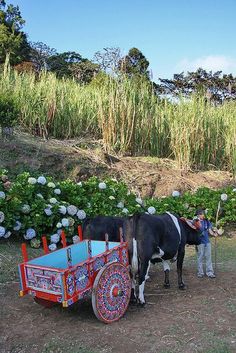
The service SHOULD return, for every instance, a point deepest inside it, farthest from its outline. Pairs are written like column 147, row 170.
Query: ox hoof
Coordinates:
column 133, row 301
column 182, row 286
column 166, row 285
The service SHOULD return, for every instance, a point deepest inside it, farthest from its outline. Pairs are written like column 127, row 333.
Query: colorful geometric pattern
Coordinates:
column 43, row 280
column 70, row 284
column 114, row 256
column 81, row 277
column 111, row 292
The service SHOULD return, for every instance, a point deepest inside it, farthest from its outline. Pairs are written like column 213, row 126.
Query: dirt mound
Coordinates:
column 80, row 159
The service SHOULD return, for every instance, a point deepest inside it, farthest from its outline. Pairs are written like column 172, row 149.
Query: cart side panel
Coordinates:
column 44, row 280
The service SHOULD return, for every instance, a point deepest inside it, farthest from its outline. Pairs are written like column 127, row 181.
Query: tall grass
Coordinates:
column 127, row 116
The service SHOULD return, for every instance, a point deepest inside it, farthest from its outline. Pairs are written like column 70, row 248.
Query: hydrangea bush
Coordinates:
column 33, row 206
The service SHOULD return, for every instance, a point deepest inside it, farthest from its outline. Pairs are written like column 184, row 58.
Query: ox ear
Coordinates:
column 188, row 222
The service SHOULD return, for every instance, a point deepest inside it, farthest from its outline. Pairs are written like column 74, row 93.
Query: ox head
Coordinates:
column 193, row 230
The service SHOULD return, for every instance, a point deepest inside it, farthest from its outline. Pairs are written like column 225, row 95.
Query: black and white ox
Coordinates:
column 96, row 228
column 151, row 239
column 158, row 238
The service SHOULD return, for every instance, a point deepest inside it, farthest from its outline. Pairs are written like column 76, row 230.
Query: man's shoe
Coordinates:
column 200, row 275
column 211, row 275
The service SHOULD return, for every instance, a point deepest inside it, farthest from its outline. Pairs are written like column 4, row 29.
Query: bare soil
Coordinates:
column 80, row 159
column 193, row 320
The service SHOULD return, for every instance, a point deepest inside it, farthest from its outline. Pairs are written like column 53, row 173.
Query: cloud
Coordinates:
column 209, row 63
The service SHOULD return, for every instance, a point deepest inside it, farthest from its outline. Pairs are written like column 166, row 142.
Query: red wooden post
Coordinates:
column 24, row 252
column 45, row 245
column 63, row 239
column 80, row 233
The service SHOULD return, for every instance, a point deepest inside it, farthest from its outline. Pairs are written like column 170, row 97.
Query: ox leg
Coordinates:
column 166, row 268
column 142, row 280
column 133, row 297
column 180, row 260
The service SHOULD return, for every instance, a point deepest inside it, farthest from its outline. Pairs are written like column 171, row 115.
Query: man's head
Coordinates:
column 200, row 213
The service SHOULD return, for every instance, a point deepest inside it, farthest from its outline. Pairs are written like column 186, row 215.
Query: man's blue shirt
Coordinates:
column 205, row 226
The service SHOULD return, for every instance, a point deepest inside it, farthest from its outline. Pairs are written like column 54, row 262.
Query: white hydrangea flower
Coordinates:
column 42, row 180
column 51, row 185
column 79, row 183
column 139, row 200
column 2, row 231
column 17, row 226
column 120, row 204
column 125, row 210
column 30, row 234
column 32, row 181
column 53, row 200
column 65, row 222
column 62, row 209
column 7, row 235
column 2, row 195
column 2, row 216
column 175, row 193
column 81, row 214
column 57, row 191
column 75, row 239
column 55, row 238
column 48, row 211
column 59, row 231
column 224, row 197
column 40, row 196
column 59, row 225
column 25, row 209
column 234, row 190
column 52, row 247
column 111, row 197
column 102, row 186
column 72, row 210
column 151, row 210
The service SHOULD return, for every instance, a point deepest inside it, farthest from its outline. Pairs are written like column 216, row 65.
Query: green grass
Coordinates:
column 10, row 257
column 225, row 253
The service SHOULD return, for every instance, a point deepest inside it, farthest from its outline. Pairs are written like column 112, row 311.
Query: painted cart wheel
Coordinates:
column 44, row 302
column 111, row 292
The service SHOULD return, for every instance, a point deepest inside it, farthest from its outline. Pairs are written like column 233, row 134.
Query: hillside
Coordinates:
column 79, row 159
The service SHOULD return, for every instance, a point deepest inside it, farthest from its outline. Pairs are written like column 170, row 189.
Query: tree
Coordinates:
column 60, row 63
column 13, row 41
column 84, row 71
column 215, row 86
column 135, row 64
column 108, row 59
column 40, row 54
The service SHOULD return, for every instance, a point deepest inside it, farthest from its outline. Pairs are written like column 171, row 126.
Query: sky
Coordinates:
column 174, row 35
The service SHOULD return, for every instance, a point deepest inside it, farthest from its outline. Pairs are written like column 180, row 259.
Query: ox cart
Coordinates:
column 98, row 269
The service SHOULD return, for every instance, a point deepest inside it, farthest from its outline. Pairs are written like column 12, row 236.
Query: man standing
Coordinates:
column 204, row 249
